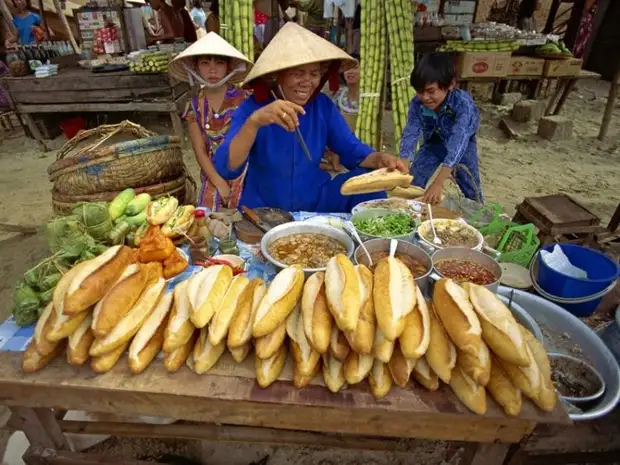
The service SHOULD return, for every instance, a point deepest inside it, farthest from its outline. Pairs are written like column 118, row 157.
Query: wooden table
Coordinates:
column 564, row 88
column 80, row 90
column 231, row 409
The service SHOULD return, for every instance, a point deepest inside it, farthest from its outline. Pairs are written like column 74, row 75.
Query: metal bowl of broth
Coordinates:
column 416, row 259
column 293, row 228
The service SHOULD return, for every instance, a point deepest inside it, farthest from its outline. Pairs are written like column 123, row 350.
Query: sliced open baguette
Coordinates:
column 343, row 291
column 375, row 181
column 317, row 320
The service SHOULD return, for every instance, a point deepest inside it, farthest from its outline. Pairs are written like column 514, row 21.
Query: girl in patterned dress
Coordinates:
column 216, row 66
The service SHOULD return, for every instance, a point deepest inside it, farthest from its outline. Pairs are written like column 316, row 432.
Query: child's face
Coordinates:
column 433, row 96
column 212, row 68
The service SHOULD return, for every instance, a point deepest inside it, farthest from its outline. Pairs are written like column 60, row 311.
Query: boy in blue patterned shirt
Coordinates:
column 447, row 119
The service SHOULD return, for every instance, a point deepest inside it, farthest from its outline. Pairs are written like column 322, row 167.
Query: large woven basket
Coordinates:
column 96, row 167
column 183, row 188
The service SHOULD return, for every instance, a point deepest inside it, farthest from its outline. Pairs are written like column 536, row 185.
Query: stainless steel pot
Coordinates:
column 459, row 253
column 405, row 248
column 589, row 372
column 300, row 227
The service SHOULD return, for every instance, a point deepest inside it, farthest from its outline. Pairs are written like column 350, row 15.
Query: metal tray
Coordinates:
column 594, row 350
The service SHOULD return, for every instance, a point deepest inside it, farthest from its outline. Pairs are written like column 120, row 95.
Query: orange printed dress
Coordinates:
column 214, row 126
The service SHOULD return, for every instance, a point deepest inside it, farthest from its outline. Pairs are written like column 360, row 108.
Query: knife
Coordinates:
column 253, row 218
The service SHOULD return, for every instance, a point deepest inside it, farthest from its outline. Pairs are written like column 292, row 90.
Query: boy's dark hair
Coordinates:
column 433, row 67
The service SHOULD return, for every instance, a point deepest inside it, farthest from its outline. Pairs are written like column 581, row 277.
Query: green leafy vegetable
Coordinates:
column 400, row 224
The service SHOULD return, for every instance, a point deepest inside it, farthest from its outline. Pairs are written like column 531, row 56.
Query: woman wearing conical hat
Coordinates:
column 262, row 139
column 216, row 66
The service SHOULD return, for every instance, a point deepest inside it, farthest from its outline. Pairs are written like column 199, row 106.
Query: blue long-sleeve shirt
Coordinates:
column 279, row 173
column 454, row 127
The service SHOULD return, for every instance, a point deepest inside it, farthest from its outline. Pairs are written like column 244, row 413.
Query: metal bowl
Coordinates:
column 426, row 233
column 591, row 377
column 593, row 349
column 379, row 213
column 299, row 227
column 460, row 253
column 405, row 248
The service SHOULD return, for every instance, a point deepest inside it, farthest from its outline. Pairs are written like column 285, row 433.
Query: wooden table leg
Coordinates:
column 567, row 90
column 485, row 454
column 554, row 97
column 611, row 103
column 177, row 126
column 40, row 427
column 34, row 130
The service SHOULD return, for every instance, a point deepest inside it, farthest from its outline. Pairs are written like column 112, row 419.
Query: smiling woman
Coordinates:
column 287, row 107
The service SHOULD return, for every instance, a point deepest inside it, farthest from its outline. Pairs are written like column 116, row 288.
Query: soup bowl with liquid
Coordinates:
column 417, row 260
column 467, row 265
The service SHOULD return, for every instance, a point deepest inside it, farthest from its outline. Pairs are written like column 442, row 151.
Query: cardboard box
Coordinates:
column 526, row 66
column 484, row 64
column 563, row 68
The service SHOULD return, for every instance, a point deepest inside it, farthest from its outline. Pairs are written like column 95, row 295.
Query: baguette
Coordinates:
column 338, row 345
column 316, row 317
column 266, row 346
column 457, row 315
column 382, row 348
column 441, row 353
column 132, row 321
column 502, row 390
column 80, row 342
column 279, row 301
column 33, row 361
column 357, row 367
column 424, row 375
column 64, row 324
column 218, row 328
column 239, row 354
column 376, row 181
column 400, row 367
column 106, row 362
column 206, row 291
column 343, row 292
column 120, row 299
column 547, row 397
column 240, row 331
column 500, row 330
column 301, row 381
column 180, row 329
column 130, row 269
column 416, row 336
column 175, row 359
column 92, row 282
column 362, row 339
column 527, row 379
column 394, row 295
column 379, row 380
column 477, row 367
column 409, row 192
column 205, row 354
column 150, row 337
column 468, row 391
column 333, row 373
column 304, row 355
column 44, row 324
column 268, row 370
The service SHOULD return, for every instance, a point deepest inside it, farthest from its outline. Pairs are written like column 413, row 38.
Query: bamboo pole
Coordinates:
column 63, row 18
column 8, row 17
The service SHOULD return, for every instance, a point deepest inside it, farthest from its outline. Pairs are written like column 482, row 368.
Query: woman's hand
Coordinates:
column 433, row 193
column 223, row 190
column 280, row 112
column 377, row 160
column 331, row 163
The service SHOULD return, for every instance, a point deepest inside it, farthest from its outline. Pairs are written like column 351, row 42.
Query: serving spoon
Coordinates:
column 436, row 240
column 393, row 247
column 351, row 229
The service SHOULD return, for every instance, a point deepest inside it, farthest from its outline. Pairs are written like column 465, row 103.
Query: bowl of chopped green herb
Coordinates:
column 377, row 223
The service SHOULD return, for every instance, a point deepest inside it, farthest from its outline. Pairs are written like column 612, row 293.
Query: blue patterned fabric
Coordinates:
column 449, row 140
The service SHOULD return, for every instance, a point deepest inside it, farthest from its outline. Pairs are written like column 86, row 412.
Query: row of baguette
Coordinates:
column 353, row 323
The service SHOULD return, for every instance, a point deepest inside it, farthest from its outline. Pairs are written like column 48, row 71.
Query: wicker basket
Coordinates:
column 183, row 188
column 95, row 168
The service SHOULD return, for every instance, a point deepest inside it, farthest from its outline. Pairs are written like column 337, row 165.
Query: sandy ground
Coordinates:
column 529, row 166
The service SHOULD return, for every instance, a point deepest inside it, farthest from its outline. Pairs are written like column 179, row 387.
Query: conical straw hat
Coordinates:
column 294, row 46
column 211, row 44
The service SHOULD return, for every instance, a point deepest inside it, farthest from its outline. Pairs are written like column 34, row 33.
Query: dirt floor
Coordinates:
column 582, row 166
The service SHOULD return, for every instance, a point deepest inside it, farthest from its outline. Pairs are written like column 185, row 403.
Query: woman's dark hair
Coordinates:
column 433, row 67
column 197, row 4
column 215, row 7
column 527, row 8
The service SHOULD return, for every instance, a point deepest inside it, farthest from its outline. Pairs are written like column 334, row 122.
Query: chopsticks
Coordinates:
column 300, row 138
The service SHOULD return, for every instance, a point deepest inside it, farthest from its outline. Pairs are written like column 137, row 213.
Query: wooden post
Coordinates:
column 8, row 17
column 43, row 20
column 63, row 18
column 611, row 103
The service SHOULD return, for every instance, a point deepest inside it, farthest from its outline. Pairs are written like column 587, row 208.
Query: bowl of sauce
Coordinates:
column 467, row 265
column 309, row 245
column 416, row 259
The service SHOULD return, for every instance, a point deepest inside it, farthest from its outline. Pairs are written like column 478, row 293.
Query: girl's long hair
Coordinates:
column 215, row 7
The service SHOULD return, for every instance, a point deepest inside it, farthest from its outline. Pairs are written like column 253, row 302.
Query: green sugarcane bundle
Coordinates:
column 400, row 34
column 240, row 31
column 224, row 20
column 372, row 56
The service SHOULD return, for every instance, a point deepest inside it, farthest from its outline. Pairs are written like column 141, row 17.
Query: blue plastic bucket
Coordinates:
column 601, row 271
